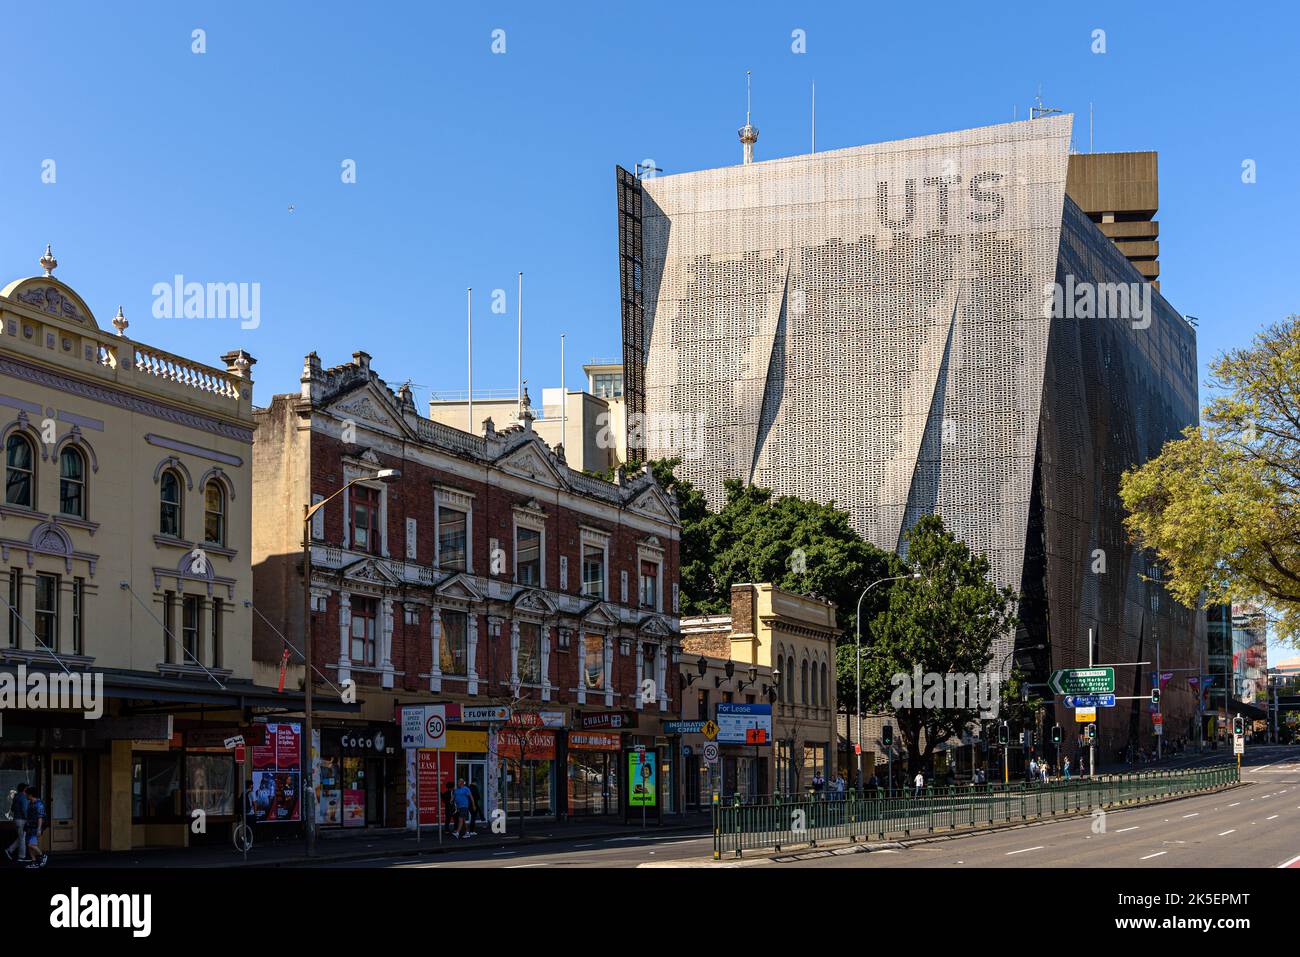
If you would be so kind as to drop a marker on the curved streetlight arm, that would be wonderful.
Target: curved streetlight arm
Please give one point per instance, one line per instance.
(382, 475)
(857, 624)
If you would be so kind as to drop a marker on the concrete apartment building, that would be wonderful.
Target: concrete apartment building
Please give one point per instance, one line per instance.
(1120, 193)
(125, 552)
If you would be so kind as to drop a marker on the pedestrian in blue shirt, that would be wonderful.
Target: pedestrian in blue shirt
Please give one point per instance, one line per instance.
(18, 814)
(464, 799)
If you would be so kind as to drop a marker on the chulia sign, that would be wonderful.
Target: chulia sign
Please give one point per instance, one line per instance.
(1083, 681)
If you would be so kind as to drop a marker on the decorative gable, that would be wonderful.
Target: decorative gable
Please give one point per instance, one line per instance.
(459, 587)
(535, 600)
(370, 570)
(654, 503)
(528, 461)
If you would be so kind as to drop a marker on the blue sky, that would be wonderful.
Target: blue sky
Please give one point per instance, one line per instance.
(473, 166)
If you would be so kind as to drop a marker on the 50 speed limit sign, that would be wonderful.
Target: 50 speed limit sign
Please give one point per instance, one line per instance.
(711, 752)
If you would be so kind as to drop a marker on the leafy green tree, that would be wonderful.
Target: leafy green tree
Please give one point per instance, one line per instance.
(1220, 506)
(943, 622)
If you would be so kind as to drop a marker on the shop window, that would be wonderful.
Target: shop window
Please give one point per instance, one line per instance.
(530, 653)
(169, 504)
(593, 663)
(20, 472)
(210, 784)
(72, 483)
(453, 652)
(156, 787)
(47, 612)
(530, 787)
(528, 557)
(363, 631)
(169, 625)
(214, 513)
(452, 525)
(366, 532)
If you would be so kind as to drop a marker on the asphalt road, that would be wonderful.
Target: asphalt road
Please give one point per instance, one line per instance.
(1256, 825)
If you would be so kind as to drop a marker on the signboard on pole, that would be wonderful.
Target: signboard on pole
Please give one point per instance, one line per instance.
(1090, 701)
(711, 752)
(1085, 715)
(1083, 681)
(424, 726)
(1238, 744)
(641, 777)
(744, 723)
(1159, 721)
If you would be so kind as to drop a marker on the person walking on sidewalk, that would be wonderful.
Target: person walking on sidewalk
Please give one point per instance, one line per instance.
(475, 806)
(35, 824)
(449, 808)
(18, 813)
(920, 783)
(464, 799)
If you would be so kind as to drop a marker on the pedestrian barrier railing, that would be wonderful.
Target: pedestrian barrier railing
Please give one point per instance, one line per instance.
(778, 823)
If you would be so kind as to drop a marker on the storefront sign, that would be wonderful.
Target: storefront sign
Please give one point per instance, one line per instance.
(466, 742)
(474, 715)
(538, 745)
(150, 727)
(684, 727)
(375, 738)
(537, 719)
(641, 774)
(744, 724)
(594, 741)
(608, 719)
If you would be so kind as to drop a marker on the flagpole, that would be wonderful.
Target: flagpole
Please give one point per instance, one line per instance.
(519, 352)
(469, 372)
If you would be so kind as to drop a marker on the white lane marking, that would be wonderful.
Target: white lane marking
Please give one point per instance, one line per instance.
(1193, 814)
(584, 845)
(1290, 862)
(504, 853)
(511, 867)
(1234, 804)
(1123, 829)
(1231, 830)
(1024, 849)
(1270, 818)
(1156, 854)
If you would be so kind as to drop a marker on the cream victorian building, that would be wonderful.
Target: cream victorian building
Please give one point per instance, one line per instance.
(125, 544)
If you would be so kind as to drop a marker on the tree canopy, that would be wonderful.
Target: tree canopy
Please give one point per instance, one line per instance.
(1220, 507)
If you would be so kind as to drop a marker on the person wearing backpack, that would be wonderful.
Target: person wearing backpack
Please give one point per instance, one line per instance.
(18, 814)
(36, 820)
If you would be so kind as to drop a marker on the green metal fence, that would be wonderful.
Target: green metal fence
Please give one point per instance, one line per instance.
(781, 823)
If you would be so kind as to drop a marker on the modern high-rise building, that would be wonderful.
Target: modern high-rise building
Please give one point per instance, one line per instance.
(927, 325)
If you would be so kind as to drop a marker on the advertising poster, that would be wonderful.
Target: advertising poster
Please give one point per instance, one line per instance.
(432, 781)
(354, 808)
(277, 764)
(744, 724)
(641, 776)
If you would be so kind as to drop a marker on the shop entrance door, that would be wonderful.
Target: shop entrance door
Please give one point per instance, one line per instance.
(63, 806)
(475, 775)
(375, 792)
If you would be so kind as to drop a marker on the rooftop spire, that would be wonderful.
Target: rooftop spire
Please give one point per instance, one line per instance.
(748, 132)
(48, 262)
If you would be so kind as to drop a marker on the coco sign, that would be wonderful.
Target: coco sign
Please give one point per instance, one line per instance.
(363, 740)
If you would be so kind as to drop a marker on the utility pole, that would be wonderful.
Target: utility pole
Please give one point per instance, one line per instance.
(1159, 736)
(1092, 742)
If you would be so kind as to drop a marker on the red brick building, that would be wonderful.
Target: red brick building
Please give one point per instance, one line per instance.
(488, 573)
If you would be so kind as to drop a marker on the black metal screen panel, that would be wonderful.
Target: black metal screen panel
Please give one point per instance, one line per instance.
(630, 303)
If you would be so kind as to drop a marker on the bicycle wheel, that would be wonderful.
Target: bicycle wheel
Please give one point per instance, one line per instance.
(243, 836)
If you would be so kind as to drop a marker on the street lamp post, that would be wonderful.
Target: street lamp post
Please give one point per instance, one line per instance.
(309, 812)
(858, 665)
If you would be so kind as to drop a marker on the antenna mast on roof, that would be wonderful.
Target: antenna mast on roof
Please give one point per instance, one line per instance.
(748, 132)
(1038, 109)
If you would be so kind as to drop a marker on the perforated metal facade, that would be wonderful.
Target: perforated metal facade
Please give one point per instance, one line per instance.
(868, 326)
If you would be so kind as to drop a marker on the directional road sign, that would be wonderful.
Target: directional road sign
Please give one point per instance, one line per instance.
(1083, 681)
(1090, 701)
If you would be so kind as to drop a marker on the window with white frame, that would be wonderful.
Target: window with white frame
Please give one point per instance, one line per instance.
(649, 584)
(528, 556)
(530, 653)
(452, 655)
(593, 662)
(47, 612)
(364, 620)
(593, 572)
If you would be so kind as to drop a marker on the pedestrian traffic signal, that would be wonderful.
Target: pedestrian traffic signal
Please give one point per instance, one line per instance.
(1155, 696)
(1056, 734)
(1003, 733)
(887, 735)
(1092, 732)
(1238, 726)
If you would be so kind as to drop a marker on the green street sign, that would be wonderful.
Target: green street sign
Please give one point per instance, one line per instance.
(1083, 681)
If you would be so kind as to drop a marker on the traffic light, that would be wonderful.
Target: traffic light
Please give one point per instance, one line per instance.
(1003, 733)
(1238, 726)
(1056, 734)
(887, 735)
(1155, 696)
(1034, 740)
(1092, 732)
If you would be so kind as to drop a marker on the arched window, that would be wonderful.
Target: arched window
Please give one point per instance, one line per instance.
(169, 495)
(20, 472)
(803, 681)
(72, 483)
(826, 701)
(789, 680)
(214, 513)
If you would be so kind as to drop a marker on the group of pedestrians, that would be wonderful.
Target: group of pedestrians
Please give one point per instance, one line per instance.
(462, 806)
(835, 789)
(29, 816)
